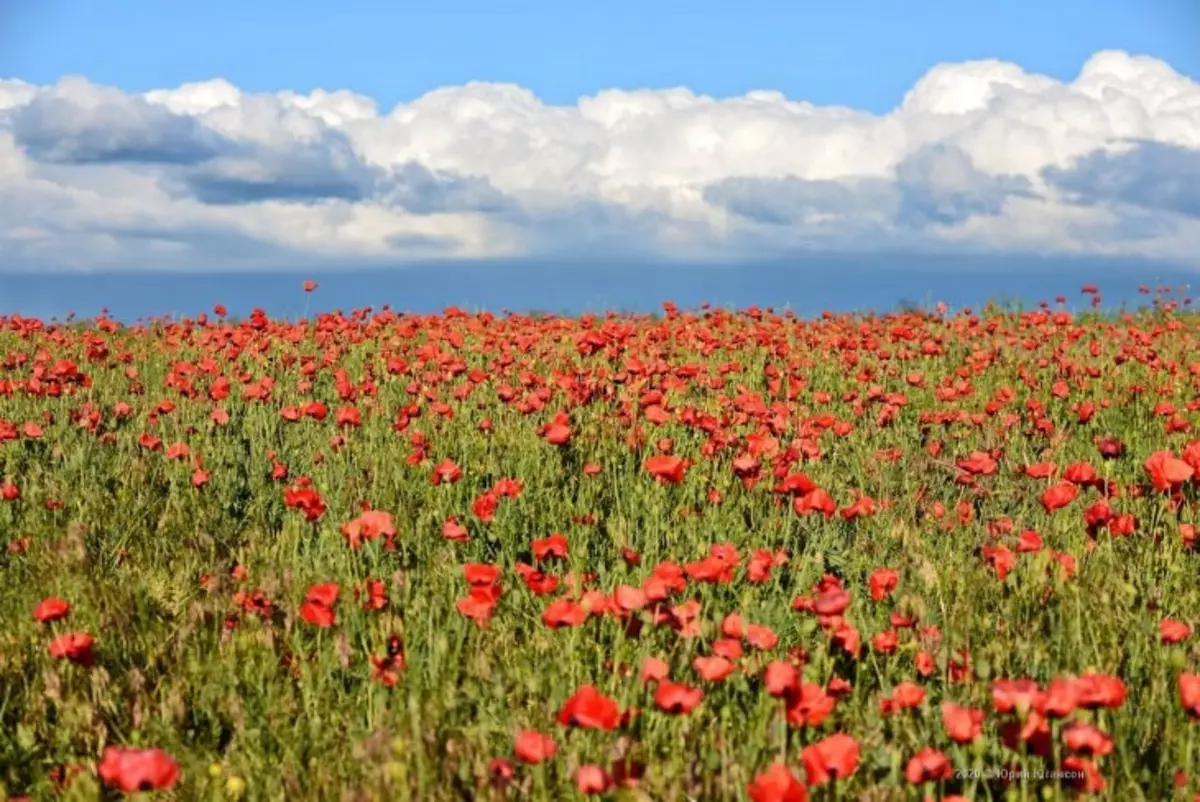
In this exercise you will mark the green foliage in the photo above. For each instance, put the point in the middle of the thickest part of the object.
(273, 708)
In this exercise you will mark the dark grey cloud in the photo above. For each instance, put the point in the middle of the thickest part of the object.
(419, 190)
(782, 201)
(326, 168)
(1152, 175)
(111, 127)
(329, 169)
(78, 123)
(587, 227)
(939, 184)
(422, 243)
(211, 241)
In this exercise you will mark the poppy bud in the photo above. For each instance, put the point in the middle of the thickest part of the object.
(235, 787)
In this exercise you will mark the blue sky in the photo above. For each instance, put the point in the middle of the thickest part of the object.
(256, 137)
(861, 53)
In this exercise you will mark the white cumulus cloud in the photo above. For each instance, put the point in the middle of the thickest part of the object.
(980, 156)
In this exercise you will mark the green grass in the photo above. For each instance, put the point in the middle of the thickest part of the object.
(274, 708)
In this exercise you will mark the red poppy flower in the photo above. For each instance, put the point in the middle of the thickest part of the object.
(808, 704)
(780, 677)
(1001, 559)
(882, 582)
(1083, 775)
(928, 765)
(386, 670)
(484, 507)
(1100, 690)
(589, 709)
(75, 647)
(1059, 495)
(905, 696)
(776, 784)
(1085, 739)
(832, 758)
(553, 546)
(712, 669)
(368, 526)
(677, 699)
(761, 637)
(373, 594)
(558, 431)
(886, 642)
(963, 725)
(1189, 693)
(479, 604)
(500, 772)
(758, 569)
(563, 612)
(1010, 695)
(832, 602)
(665, 468)
(1060, 699)
(52, 609)
(454, 531)
(1172, 631)
(1166, 471)
(133, 770)
(480, 574)
(534, 747)
(978, 464)
(592, 779)
(654, 669)
(838, 687)
(317, 607)
(306, 500)
(816, 501)
(627, 598)
(446, 472)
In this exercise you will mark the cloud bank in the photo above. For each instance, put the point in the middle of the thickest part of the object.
(978, 157)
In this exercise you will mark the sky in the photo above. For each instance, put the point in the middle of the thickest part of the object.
(425, 141)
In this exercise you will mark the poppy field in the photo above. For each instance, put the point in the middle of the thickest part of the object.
(701, 554)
